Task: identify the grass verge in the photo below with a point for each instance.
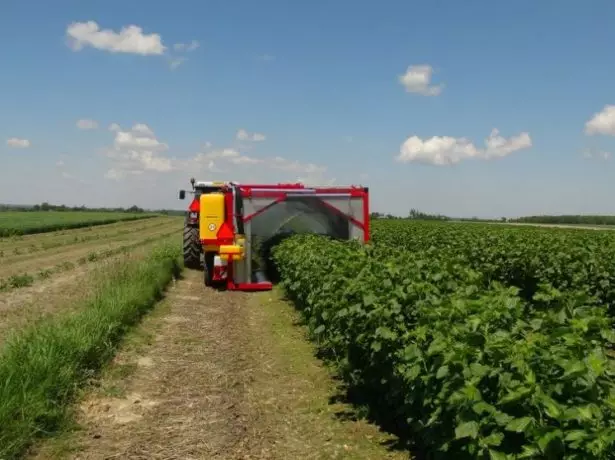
(42, 368)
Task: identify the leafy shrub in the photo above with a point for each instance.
(470, 371)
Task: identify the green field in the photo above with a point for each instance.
(23, 223)
(474, 341)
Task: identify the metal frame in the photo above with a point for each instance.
(258, 198)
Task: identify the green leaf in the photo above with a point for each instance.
(467, 430)
(494, 439)
(442, 372)
(495, 455)
(547, 439)
(552, 408)
(478, 370)
(519, 425)
(576, 435)
(514, 396)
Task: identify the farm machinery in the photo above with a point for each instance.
(230, 227)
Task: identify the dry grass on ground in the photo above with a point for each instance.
(213, 375)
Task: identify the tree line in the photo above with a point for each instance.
(134, 209)
(415, 214)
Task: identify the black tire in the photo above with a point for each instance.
(208, 270)
(192, 248)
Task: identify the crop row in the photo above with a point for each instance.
(26, 279)
(522, 257)
(43, 366)
(468, 370)
(42, 245)
(23, 223)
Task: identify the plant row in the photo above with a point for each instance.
(42, 245)
(24, 223)
(26, 279)
(524, 257)
(42, 367)
(466, 371)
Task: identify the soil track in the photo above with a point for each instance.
(216, 375)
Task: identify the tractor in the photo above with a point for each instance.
(230, 227)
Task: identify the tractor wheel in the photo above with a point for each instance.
(208, 270)
(192, 248)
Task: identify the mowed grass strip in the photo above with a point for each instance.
(27, 222)
(42, 367)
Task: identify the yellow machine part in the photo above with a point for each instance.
(233, 250)
(212, 215)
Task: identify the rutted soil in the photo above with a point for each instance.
(216, 375)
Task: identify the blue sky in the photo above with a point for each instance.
(280, 91)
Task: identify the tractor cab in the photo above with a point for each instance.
(230, 227)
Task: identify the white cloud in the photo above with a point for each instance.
(18, 143)
(114, 127)
(244, 135)
(187, 47)
(130, 39)
(599, 155)
(602, 122)
(417, 79)
(87, 124)
(446, 150)
(174, 63)
(136, 150)
(230, 160)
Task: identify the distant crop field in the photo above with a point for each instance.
(23, 223)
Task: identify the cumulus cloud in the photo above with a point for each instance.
(243, 135)
(232, 161)
(602, 122)
(446, 150)
(114, 127)
(598, 155)
(87, 124)
(186, 47)
(137, 150)
(417, 79)
(18, 143)
(174, 63)
(130, 39)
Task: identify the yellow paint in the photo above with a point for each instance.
(212, 215)
(233, 250)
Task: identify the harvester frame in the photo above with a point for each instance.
(220, 221)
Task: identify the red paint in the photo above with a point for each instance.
(225, 234)
(264, 286)
(356, 222)
(195, 206)
(366, 227)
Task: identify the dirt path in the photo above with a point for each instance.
(213, 375)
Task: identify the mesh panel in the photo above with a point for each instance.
(294, 215)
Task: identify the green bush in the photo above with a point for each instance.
(468, 371)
